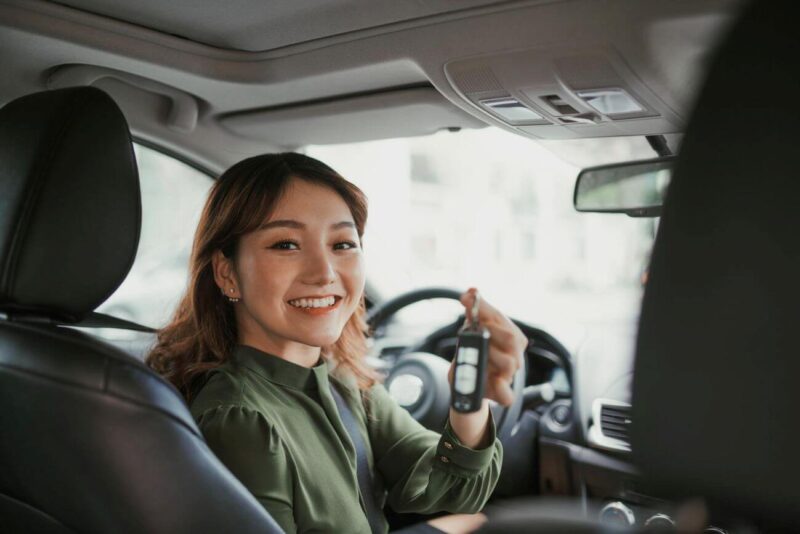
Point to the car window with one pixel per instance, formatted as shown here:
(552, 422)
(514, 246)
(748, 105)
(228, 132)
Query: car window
(494, 210)
(173, 194)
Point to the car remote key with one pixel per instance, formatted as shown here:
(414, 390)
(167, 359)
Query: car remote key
(472, 353)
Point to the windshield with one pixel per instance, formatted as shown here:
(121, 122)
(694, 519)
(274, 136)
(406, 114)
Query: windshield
(490, 209)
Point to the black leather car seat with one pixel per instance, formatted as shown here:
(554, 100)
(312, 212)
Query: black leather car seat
(716, 398)
(91, 440)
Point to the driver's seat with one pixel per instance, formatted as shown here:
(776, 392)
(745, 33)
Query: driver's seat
(91, 440)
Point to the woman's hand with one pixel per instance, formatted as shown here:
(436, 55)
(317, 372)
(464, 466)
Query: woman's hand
(506, 349)
(458, 523)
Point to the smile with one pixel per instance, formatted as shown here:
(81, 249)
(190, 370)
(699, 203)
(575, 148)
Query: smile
(316, 306)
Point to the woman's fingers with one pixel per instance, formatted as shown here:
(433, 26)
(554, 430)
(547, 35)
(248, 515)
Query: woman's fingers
(507, 343)
(500, 390)
(500, 376)
(486, 312)
(505, 334)
(458, 523)
(506, 348)
(502, 363)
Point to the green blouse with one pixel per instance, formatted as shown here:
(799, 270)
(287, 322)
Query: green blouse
(275, 425)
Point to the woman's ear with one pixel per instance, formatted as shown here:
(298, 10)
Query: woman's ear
(225, 276)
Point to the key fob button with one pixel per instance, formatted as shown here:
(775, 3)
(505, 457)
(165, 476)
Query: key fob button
(466, 376)
(468, 355)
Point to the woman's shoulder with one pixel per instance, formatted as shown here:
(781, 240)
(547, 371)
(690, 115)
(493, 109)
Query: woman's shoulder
(231, 419)
(224, 416)
(223, 388)
(240, 436)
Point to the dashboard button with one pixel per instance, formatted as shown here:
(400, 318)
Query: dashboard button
(617, 513)
(561, 414)
(659, 523)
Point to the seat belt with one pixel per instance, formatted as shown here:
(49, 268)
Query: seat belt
(101, 320)
(374, 514)
(91, 320)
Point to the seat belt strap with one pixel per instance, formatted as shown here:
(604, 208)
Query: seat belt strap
(374, 514)
(101, 320)
(91, 320)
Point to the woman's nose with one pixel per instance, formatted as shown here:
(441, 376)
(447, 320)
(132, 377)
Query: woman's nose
(319, 271)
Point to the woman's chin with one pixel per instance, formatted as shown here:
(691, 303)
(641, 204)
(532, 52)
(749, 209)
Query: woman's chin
(320, 340)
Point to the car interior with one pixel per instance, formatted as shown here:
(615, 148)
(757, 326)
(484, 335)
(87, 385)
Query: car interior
(681, 417)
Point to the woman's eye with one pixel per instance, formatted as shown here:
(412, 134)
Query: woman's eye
(285, 245)
(345, 245)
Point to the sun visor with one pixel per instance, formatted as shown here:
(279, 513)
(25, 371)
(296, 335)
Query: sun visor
(396, 113)
(562, 93)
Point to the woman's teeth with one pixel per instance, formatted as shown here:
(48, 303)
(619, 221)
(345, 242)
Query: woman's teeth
(313, 303)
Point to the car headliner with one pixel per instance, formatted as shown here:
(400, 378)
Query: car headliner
(216, 86)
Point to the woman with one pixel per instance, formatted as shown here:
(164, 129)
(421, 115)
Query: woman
(271, 329)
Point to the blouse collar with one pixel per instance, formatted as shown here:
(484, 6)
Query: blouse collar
(281, 371)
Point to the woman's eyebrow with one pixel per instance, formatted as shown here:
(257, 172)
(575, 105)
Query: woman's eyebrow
(289, 223)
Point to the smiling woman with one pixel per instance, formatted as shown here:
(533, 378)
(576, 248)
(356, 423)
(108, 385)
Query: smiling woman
(231, 232)
(268, 346)
(300, 275)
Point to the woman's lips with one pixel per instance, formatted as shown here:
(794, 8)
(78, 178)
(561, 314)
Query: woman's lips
(319, 311)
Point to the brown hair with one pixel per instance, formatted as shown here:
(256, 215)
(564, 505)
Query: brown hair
(202, 333)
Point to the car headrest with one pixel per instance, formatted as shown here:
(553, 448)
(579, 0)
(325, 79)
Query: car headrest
(70, 207)
(716, 396)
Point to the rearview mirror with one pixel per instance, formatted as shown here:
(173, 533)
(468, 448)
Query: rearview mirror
(636, 188)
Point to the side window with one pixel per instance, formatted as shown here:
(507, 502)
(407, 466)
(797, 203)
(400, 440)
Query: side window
(173, 195)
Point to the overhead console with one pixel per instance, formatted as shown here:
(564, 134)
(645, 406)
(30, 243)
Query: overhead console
(561, 93)
(380, 115)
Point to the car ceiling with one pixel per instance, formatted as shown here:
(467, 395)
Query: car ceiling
(258, 25)
(216, 82)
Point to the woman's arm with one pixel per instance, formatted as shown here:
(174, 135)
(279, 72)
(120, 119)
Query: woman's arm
(457, 471)
(425, 472)
(506, 348)
(472, 429)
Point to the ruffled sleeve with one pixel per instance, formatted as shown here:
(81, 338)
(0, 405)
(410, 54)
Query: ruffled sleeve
(251, 449)
(426, 472)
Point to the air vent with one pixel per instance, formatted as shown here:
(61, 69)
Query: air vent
(615, 422)
(611, 425)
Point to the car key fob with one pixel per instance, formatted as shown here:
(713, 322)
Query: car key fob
(472, 354)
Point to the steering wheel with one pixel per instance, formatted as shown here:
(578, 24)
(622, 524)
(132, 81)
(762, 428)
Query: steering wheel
(418, 380)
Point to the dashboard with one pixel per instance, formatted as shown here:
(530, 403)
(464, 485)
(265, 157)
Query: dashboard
(573, 441)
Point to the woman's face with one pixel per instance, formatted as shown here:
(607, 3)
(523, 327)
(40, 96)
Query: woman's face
(300, 276)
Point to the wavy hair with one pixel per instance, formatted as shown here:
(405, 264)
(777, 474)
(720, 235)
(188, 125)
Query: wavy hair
(202, 332)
